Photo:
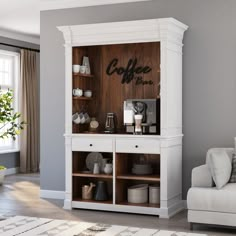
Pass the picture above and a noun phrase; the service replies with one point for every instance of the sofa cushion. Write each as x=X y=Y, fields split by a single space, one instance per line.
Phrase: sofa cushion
x=219 y=164
x=212 y=199
x=229 y=151
x=233 y=174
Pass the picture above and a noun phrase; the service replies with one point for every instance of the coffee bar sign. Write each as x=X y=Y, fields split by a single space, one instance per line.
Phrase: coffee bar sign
x=131 y=72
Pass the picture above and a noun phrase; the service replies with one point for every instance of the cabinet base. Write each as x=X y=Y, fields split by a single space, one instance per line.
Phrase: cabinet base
x=161 y=212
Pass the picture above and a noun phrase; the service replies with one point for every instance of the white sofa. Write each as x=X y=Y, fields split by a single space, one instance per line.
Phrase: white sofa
x=207 y=204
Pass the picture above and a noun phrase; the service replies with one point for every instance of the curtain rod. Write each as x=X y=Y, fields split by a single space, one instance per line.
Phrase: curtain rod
x=11 y=45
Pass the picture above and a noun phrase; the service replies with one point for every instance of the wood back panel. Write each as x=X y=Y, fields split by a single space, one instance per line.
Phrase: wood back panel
x=108 y=91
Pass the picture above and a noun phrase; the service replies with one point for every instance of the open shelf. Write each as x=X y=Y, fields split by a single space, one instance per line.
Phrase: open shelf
x=90 y=175
x=92 y=201
x=155 y=178
x=82 y=98
x=126 y=161
x=79 y=165
x=105 y=85
x=81 y=178
x=139 y=204
x=77 y=75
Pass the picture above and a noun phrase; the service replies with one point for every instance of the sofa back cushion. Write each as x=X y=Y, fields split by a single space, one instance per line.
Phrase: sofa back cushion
x=219 y=162
x=233 y=173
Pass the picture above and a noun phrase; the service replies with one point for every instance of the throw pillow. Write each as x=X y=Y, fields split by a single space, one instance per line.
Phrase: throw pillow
x=220 y=167
x=233 y=174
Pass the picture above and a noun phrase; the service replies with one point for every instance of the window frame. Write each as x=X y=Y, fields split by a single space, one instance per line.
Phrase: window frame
x=14 y=147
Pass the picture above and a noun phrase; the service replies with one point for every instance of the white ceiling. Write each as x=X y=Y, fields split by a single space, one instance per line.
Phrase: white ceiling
x=61 y=4
x=22 y=17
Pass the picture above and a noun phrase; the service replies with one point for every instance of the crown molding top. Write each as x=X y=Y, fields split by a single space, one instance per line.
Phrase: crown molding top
x=61 y=4
x=19 y=36
x=152 y=30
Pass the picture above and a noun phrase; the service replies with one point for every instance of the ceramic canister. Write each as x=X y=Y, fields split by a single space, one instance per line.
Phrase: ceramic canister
x=138 y=193
x=154 y=194
x=86 y=194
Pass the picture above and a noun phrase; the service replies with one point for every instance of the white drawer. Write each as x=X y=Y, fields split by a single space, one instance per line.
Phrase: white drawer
x=138 y=145
x=91 y=144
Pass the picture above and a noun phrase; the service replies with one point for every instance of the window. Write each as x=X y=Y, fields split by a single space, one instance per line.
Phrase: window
x=9 y=77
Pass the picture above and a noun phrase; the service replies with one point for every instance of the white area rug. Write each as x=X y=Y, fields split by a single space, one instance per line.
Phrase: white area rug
x=31 y=226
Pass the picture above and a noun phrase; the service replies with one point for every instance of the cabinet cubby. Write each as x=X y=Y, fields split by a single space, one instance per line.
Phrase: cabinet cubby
x=122 y=195
x=82 y=176
x=78 y=182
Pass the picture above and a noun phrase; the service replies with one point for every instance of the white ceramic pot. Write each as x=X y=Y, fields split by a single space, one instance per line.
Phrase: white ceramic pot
x=108 y=169
x=2 y=176
x=154 y=194
x=138 y=193
x=88 y=93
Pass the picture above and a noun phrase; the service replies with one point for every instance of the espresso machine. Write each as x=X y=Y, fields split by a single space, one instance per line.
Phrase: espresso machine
x=150 y=111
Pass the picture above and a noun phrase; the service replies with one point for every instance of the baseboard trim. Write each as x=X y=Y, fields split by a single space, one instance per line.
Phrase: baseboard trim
x=52 y=194
x=12 y=171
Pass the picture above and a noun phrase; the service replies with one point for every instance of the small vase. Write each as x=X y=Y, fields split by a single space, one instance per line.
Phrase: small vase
x=96 y=169
x=108 y=169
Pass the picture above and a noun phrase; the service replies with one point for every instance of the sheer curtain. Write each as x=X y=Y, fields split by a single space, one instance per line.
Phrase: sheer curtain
x=29 y=108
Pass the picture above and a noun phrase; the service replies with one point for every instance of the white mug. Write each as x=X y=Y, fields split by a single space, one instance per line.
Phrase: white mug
x=83 y=69
x=82 y=118
x=76 y=118
x=76 y=68
x=87 y=118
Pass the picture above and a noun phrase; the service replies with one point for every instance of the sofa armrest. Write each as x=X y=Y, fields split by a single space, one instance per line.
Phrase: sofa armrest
x=201 y=177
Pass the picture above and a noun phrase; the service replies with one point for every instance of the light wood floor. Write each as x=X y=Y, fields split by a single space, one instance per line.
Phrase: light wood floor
x=20 y=196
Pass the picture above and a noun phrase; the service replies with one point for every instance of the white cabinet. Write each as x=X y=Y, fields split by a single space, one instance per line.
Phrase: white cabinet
x=165 y=149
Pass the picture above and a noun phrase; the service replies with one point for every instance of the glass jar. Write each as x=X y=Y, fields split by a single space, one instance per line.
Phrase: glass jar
x=138 y=124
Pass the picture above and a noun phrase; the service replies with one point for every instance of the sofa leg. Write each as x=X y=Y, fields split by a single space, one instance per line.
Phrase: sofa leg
x=191 y=226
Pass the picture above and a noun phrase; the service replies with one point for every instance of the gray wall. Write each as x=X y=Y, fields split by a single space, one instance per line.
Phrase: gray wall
x=11 y=160
x=209 y=77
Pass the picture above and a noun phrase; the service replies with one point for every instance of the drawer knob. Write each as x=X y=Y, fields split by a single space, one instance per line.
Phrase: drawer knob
x=90 y=144
x=136 y=146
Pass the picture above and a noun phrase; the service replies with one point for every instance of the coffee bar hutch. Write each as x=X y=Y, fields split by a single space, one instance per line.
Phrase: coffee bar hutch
x=153 y=48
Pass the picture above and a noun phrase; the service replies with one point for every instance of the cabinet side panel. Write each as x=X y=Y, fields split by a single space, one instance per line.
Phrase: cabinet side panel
x=171 y=172
x=171 y=89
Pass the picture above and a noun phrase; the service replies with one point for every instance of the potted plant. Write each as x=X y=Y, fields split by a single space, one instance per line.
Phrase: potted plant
x=2 y=174
x=10 y=126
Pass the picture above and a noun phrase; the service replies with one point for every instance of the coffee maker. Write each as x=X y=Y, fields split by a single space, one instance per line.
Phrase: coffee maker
x=149 y=109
